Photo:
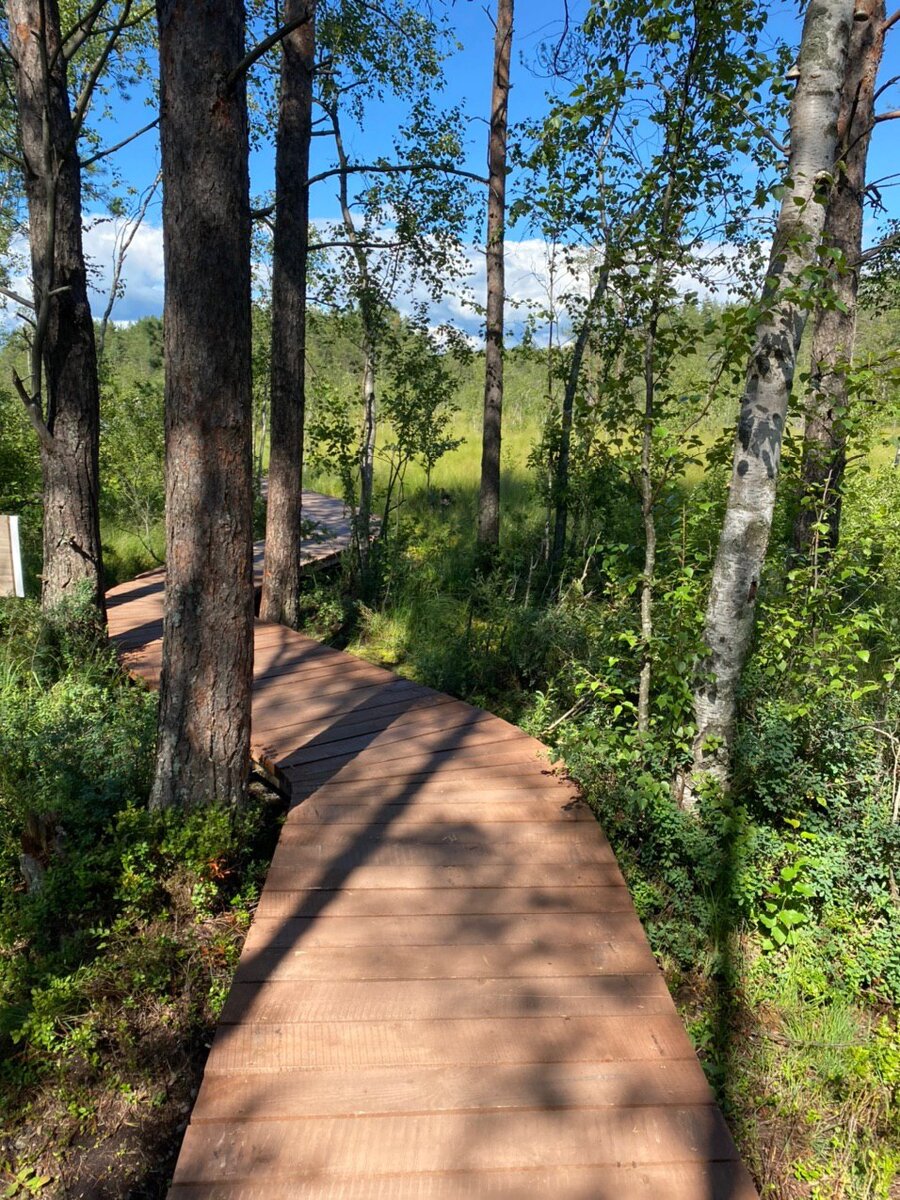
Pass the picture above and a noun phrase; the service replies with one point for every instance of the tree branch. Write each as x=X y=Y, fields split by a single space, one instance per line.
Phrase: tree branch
x=83 y=102
x=14 y=159
x=17 y=299
x=266 y=45
x=891 y=21
x=884 y=87
x=361 y=242
x=33 y=408
x=396 y=169
x=259 y=214
x=80 y=32
x=875 y=251
x=89 y=162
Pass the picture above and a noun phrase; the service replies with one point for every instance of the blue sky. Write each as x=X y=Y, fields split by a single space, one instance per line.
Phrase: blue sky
x=468 y=84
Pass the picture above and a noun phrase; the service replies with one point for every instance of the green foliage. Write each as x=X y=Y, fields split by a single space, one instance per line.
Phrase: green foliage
x=119 y=928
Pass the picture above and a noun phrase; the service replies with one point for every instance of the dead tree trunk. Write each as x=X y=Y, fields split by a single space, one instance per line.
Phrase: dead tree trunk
x=204 y=716
x=770 y=375
x=62 y=393
x=825 y=434
x=489 y=499
x=281 y=578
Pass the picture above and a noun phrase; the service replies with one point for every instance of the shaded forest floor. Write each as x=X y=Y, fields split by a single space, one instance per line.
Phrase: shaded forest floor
x=114 y=968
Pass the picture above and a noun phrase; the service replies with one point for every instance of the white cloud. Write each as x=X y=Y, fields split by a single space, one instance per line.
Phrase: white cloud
x=536 y=279
x=142 y=275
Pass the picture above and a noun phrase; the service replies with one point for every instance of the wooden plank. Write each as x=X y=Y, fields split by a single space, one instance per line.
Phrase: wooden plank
x=463 y=831
x=464 y=929
x=470 y=764
x=330 y=875
x=467 y=812
x=339 y=1045
x=623 y=956
x=281 y=1001
x=400 y=855
x=388 y=706
x=377 y=1091
x=479 y=1141
x=407 y=902
x=441 y=729
x=481 y=787
x=671 y=1181
x=284 y=712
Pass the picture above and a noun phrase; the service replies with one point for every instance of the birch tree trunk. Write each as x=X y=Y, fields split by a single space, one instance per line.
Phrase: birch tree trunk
x=825 y=434
x=280 y=600
x=367 y=447
x=757 y=451
x=62 y=395
x=204 y=714
x=489 y=498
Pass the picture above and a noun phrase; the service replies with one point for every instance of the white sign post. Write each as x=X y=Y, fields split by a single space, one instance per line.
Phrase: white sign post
x=12 y=581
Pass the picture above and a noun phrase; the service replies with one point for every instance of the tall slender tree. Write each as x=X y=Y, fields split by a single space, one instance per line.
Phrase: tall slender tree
x=204 y=715
x=60 y=391
x=783 y=313
x=290 y=251
x=834 y=330
x=489 y=498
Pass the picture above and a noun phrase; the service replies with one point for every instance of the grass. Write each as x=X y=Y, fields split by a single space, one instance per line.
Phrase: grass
x=803 y=1053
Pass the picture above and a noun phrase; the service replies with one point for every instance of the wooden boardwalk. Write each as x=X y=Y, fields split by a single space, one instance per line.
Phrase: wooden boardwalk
x=446 y=993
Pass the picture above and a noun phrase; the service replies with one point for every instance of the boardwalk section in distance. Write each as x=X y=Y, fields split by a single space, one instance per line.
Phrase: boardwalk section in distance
x=446 y=992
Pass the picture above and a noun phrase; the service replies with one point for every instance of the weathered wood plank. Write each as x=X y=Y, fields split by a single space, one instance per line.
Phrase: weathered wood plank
x=378 y=1091
x=447 y=902
x=620 y=956
x=672 y=1181
x=282 y=1001
x=482 y=1141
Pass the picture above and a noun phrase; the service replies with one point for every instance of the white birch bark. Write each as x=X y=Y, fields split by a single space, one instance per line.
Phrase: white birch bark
x=770 y=374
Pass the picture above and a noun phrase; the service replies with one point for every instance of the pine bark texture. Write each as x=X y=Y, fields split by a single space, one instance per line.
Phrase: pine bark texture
x=280 y=600
x=489 y=499
x=764 y=405
x=204 y=716
x=834 y=332
x=68 y=413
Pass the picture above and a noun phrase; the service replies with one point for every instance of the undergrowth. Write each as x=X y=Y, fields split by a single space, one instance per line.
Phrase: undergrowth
x=119 y=928
x=774 y=913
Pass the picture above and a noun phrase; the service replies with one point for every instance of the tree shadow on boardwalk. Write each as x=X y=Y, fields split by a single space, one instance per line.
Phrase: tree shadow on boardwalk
x=565 y=1076
x=522 y=1023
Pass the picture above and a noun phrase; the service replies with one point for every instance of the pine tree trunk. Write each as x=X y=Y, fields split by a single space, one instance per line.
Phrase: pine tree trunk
x=825 y=434
x=770 y=375
x=66 y=409
x=204 y=716
x=489 y=499
x=281 y=577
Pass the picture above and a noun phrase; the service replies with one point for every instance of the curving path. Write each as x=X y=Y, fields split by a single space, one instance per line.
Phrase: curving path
x=446 y=993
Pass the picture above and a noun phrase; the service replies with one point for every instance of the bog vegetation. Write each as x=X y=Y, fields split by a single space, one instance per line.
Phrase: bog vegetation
x=752 y=797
